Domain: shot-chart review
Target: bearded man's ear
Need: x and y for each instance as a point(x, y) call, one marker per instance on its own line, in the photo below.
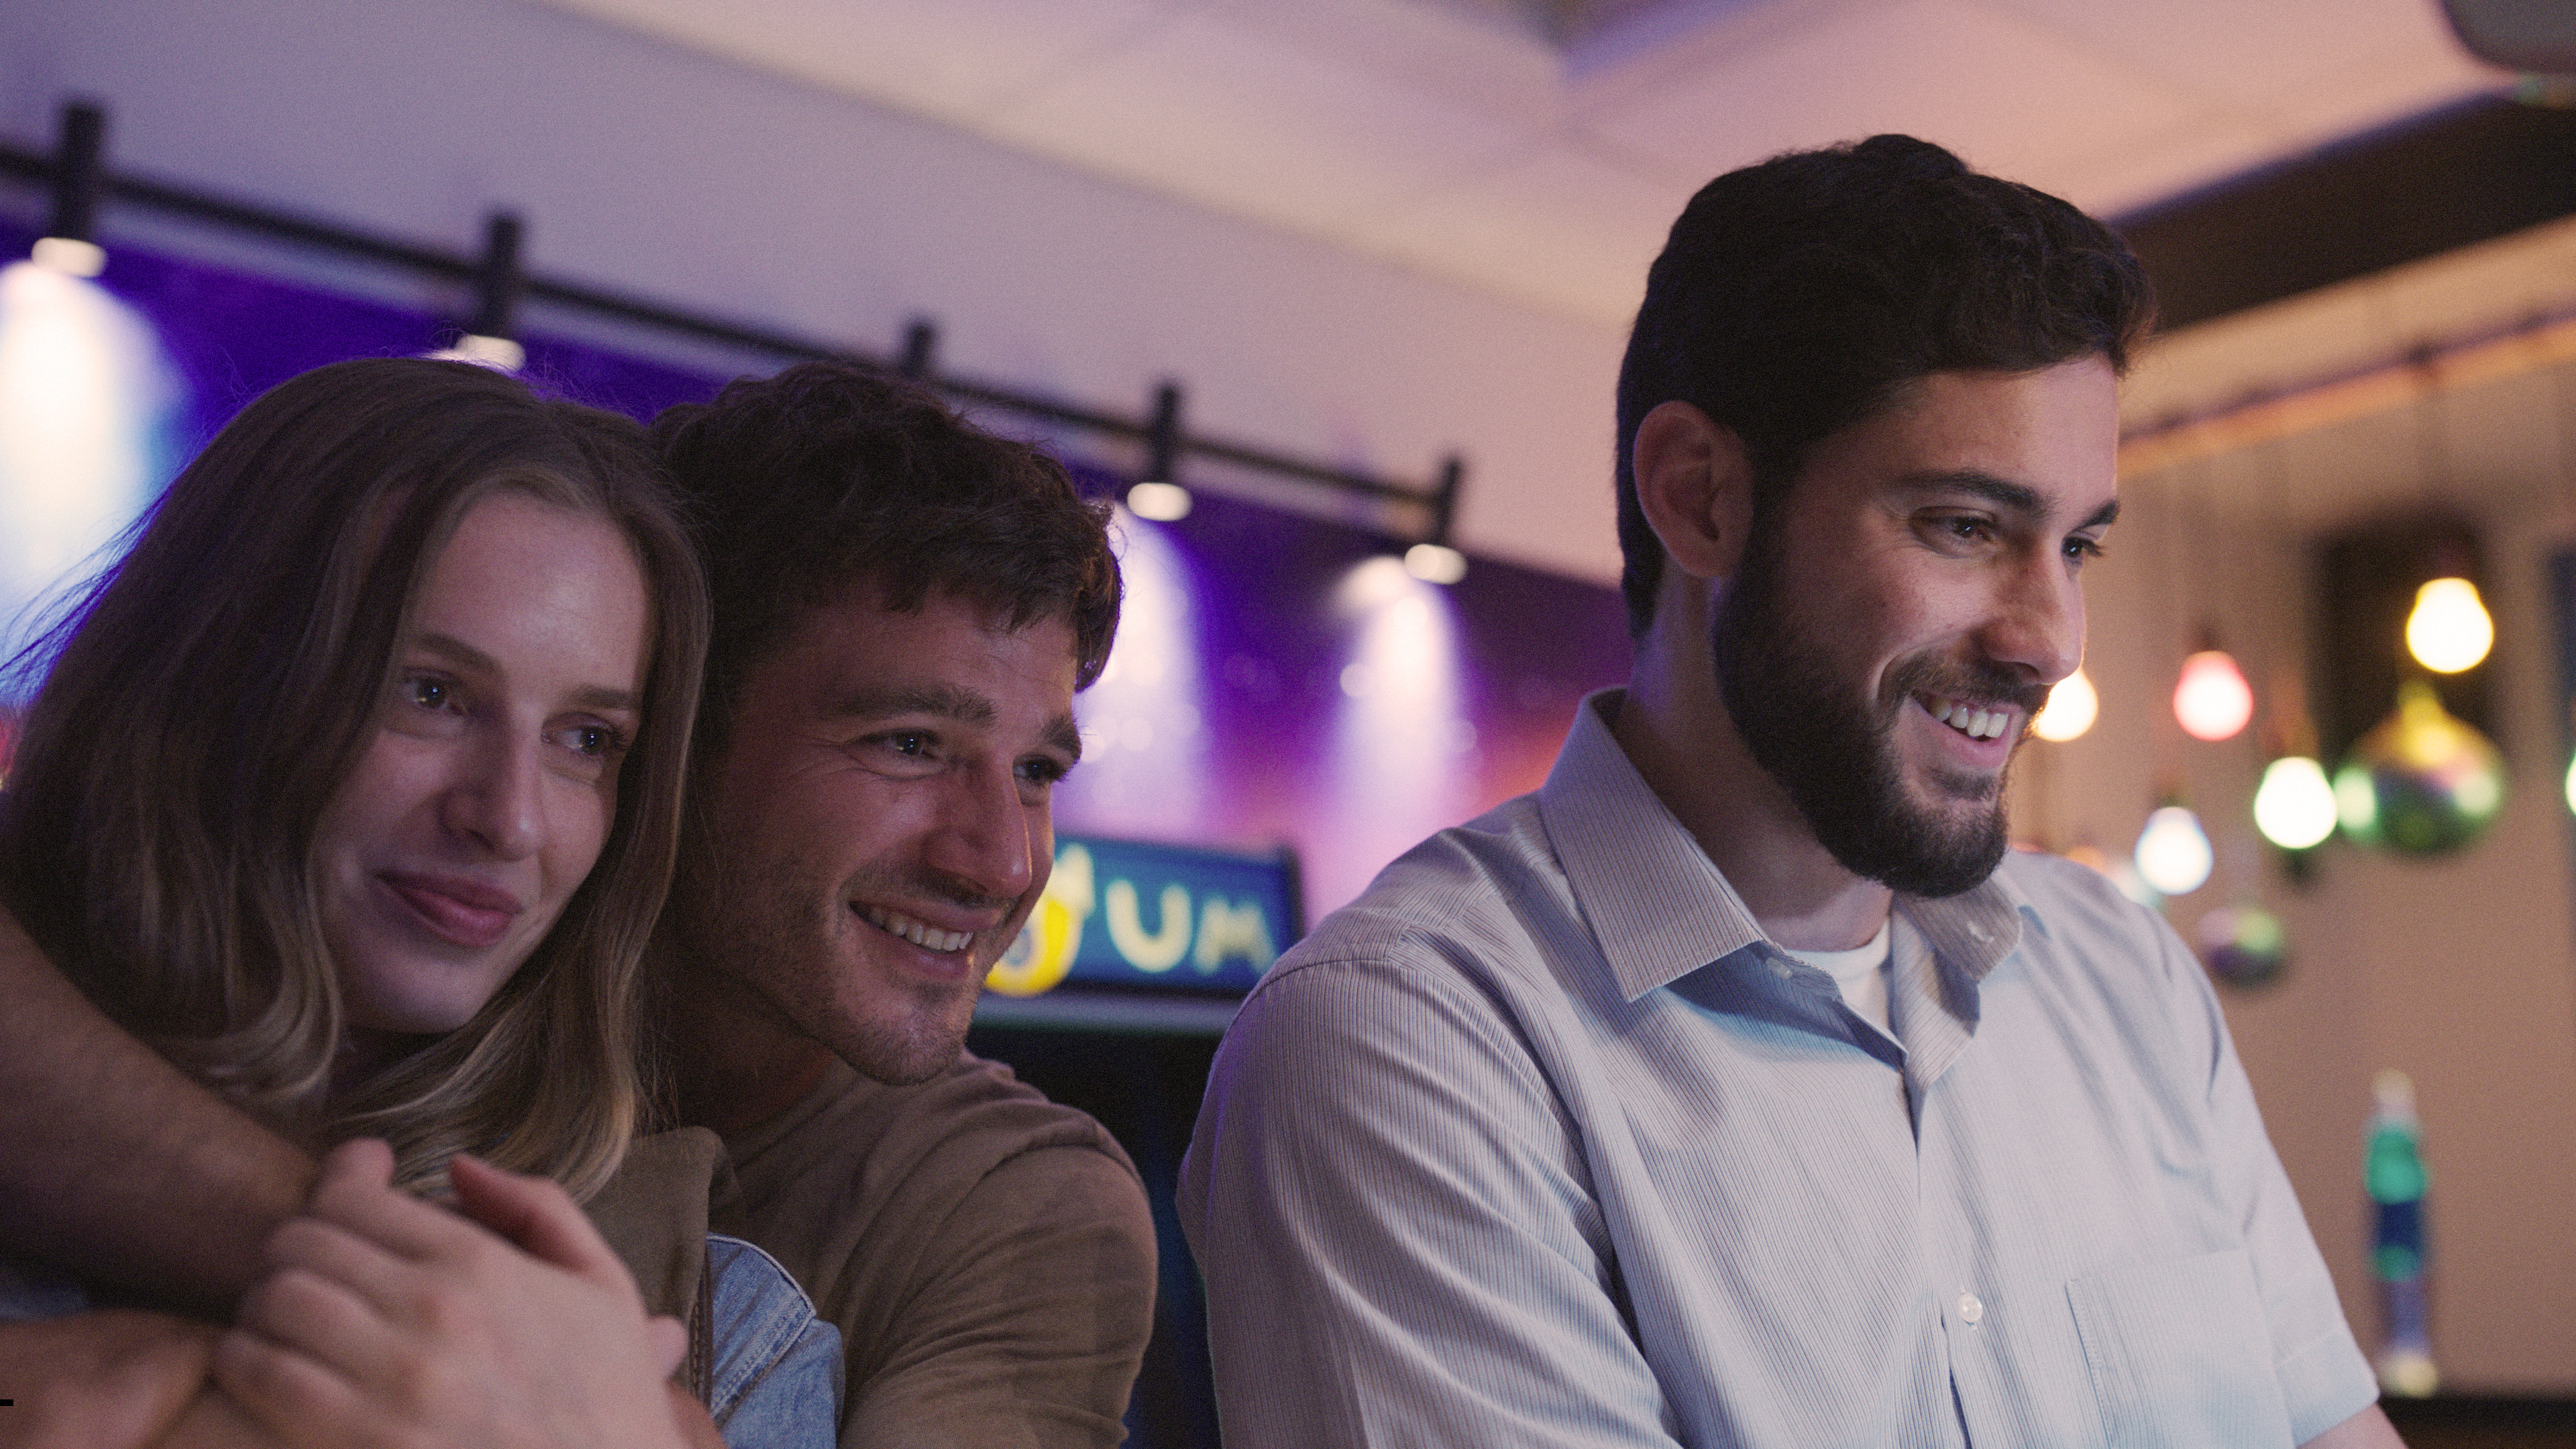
point(1696, 487)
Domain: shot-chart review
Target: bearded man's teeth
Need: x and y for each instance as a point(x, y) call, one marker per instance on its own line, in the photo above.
point(1983, 724)
point(895, 923)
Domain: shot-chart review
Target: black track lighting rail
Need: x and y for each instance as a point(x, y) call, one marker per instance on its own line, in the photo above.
point(78, 181)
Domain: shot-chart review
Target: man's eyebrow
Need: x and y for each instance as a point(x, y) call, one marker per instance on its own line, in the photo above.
point(2004, 493)
point(944, 701)
point(2001, 492)
point(1065, 735)
point(950, 702)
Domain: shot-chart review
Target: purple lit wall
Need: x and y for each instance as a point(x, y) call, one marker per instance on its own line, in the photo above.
point(1278, 680)
point(1343, 707)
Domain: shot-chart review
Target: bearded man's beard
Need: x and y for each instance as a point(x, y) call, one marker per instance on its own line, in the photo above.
point(1834, 751)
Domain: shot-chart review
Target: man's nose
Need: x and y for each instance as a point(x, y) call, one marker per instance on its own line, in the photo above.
point(2038, 620)
point(986, 839)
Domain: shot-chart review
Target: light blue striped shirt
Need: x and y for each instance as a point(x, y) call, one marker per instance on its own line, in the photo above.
point(1540, 1142)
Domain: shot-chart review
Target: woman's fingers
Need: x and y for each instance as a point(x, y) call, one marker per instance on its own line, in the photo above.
point(383, 1311)
point(351, 1318)
point(670, 1342)
point(299, 1399)
point(540, 1217)
point(356, 1193)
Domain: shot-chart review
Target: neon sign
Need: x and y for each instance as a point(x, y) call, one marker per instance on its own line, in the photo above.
point(1124, 913)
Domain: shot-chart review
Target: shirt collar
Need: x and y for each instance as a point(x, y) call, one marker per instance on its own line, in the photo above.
point(1659, 909)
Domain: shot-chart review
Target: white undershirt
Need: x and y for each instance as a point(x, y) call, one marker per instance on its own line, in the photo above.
point(1861, 973)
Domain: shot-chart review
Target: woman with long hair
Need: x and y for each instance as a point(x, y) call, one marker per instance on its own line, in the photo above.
point(354, 789)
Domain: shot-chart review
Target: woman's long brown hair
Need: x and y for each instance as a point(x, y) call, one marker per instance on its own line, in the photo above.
point(214, 688)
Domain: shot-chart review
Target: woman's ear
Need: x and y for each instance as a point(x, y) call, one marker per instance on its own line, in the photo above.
point(1696, 487)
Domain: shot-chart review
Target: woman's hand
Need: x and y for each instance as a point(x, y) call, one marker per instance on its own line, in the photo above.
point(386, 1320)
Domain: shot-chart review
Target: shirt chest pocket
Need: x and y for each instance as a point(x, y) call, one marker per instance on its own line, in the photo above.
point(2180, 1355)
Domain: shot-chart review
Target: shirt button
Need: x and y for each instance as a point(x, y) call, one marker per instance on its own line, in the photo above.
point(1972, 1310)
point(1781, 969)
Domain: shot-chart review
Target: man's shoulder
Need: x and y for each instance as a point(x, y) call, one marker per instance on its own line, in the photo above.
point(2098, 946)
point(964, 1121)
point(2080, 911)
point(1461, 897)
point(864, 1164)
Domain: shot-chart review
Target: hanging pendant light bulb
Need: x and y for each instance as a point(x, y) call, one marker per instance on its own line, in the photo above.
point(2243, 945)
point(2070, 710)
point(2295, 806)
point(2450, 629)
point(2173, 852)
point(2212, 701)
point(2420, 781)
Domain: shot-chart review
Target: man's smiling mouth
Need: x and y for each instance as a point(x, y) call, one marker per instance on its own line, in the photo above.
point(927, 937)
point(1966, 718)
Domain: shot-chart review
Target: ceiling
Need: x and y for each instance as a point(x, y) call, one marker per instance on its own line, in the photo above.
point(1538, 149)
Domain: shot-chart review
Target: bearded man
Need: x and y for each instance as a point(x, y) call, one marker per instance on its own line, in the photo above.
point(1736, 1088)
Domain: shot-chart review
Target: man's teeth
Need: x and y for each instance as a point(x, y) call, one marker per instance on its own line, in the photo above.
point(1983, 724)
point(929, 938)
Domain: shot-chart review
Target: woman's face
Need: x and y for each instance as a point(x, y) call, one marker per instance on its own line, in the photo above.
point(481, 803)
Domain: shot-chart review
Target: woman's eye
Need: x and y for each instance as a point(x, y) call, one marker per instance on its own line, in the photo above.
point(594, 741)
point(428, 693)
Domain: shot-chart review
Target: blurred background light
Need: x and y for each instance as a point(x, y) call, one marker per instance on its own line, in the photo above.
point(2173, 853)
point(2421, 781)
point(1400, 765)
point(2449, 629)
point(2294, 807)
point(1144, 724)
point(2212, 701)
point(1159, 502)
point(1435, 563)
point(2070, 711)
point(2243, 945)
point(497, 353)
point(69, 255)
point(87, 413)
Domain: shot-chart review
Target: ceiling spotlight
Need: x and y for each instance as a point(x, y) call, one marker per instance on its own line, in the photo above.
point(80, 174)
point(1158, 494)
point(497, 353)
point(1160, 502)
point(1163, 436)
point(920, 349)
point(69, 256)
point(497, 284)
point(1435, 563)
